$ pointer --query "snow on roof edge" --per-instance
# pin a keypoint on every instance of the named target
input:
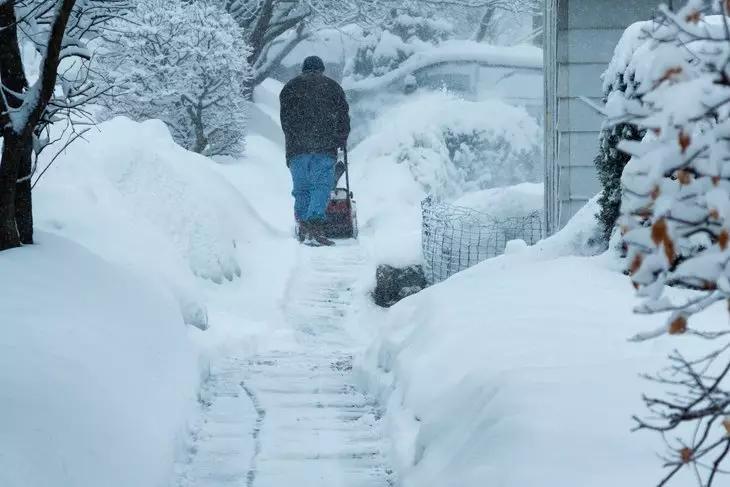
(529, 57)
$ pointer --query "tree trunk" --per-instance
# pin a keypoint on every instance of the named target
(14, 149)
(11, 159)
(15, 202)
(196, 116)
(485, 24)
(256, 39)
(23, 196)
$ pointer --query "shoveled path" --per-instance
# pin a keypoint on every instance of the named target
(292, 417)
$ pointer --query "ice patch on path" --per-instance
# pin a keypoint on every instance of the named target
(96, 371)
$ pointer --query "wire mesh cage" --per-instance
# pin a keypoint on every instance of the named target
(454, 238)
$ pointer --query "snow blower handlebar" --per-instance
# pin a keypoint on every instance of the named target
(347, 173)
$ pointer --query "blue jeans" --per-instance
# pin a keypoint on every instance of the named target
(312, 176)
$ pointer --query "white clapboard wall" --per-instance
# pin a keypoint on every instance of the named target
(580, 37)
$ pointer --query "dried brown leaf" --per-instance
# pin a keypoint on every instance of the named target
(668, 75)
(635, 264)
(684, 142)
(686, 454)
(669, 250)
(694, 17)
(708, 286)
(678, 326)
(659, 232)
(655, 192)
(684, 177)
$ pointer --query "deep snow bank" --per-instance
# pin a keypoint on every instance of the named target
(125, 367)
(498, 376)
(517, 372)
(96, 371)
(129, 193)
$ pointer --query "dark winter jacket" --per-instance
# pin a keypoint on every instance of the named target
(315, 115)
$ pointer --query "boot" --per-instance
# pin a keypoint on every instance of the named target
(316, 234)
(303, 231)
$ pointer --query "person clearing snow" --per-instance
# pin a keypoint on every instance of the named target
(315, 119)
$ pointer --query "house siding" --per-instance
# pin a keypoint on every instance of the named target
(580, 39)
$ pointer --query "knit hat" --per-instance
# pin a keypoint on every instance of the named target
(313, 64)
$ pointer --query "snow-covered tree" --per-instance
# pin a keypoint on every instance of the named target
(451, 148)
(618, 81)
(273, 28)
(56, 32)
(484, 18)
(183, 63)
(403, 33)
(675, 221)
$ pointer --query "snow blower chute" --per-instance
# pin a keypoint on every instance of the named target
(341, 210)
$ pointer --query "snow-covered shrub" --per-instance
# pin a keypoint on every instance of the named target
(404, 33)
(618, 81)
(183, 63)
(453, 146)
(675, 217)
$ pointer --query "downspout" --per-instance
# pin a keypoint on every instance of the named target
(550, 93)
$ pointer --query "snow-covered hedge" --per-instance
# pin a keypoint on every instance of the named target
(618, 82)
(453, 146)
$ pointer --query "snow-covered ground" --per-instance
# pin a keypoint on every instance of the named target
(514, 373)
(137, 238)
(518, 372)
(97, 374)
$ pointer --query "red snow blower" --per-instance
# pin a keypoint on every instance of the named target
(341, 210)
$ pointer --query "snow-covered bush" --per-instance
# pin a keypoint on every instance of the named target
(675, 217)
(183, 63)
(453, 146)
(404, 33)
(618, 81)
